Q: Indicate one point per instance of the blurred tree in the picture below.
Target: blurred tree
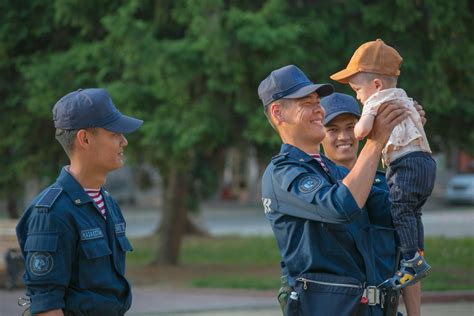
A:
(25, 26)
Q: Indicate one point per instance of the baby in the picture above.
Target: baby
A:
(372, 73)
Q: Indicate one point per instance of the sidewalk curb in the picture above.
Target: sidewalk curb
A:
(447, 296)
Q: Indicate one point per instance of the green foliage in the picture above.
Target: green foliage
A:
(449, 257)
(225, 250)
(233, 250)
(237, 282)
(191, 70)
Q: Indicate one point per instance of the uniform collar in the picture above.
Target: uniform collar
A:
(295, 153)
(73, 188)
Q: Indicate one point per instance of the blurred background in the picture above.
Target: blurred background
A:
(190, 69)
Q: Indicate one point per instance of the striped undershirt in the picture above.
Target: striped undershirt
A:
(98, 199)
(319, 159)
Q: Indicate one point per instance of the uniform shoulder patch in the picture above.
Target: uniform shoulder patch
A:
(48, 199)
(40, 263)
(309, 183)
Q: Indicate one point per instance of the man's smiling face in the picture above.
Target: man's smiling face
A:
(340, 144)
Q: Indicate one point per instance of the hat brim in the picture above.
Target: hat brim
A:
(322, 90)
(330, 117)
(343, 75)
(124, 124)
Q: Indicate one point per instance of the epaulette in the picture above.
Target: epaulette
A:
(48, 198)
(279, 158)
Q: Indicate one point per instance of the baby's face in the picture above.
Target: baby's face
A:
(364, 89)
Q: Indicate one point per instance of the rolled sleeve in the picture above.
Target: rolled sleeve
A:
(337, 203)
(47, 244)
(47, 301)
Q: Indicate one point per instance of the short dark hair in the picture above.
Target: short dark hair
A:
(66, 138)
(283, 102)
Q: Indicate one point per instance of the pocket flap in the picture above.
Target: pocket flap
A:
(125, 243)
(95, 248)
(42, 242)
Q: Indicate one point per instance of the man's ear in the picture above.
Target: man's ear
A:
(276, 112)
(82, 138)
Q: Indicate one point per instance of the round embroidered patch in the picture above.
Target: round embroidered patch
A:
(309, 183)
(40, 263)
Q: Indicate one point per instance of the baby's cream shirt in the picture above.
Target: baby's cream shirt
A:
(406, 137)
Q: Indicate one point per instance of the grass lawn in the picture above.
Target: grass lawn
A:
(253, 263)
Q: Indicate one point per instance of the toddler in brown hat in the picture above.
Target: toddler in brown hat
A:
(372, 73)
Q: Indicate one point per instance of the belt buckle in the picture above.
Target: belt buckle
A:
(373, 295)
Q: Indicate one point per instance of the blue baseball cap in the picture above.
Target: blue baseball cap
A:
(289, 82)
(87, 108)
(337, 104)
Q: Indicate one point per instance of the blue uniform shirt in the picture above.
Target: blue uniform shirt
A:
(74, 259)
(316, 221)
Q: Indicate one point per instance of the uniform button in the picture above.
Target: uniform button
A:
(377, 180)
(78, 201)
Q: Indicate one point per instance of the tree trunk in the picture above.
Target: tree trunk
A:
(12, 207)
(174, 217)
(190, 228)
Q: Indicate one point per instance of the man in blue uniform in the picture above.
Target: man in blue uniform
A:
(341, 146)
(319, 211)
(72, 235)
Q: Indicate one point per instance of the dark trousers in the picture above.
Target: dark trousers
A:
(410, 179)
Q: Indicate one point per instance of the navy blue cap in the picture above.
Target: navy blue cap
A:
(337, 104)
(92, 108)
(289, 82)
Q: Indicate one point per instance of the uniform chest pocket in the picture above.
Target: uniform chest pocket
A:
(96, 257)
(95, 248)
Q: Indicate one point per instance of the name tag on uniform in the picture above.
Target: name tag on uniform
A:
(91, 233)
(120, 228)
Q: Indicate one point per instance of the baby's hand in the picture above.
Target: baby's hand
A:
(420, 110)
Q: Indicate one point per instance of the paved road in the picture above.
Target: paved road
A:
(171, 301)
(231, 218)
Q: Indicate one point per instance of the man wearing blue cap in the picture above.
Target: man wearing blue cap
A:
(341, 146)
(318, 211)
(72, 235)
(341, 114)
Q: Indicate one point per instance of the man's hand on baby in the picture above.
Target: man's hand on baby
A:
(389, 115)
(420, 110)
